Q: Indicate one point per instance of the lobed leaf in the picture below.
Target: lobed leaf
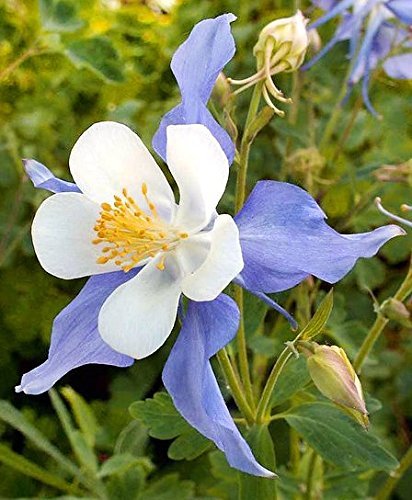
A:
(164, 422)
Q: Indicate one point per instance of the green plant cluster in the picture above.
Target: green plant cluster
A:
(65, 64)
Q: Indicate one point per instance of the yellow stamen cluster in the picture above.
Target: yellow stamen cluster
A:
(131, 233)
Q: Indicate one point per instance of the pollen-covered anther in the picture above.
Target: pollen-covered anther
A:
(132, 233)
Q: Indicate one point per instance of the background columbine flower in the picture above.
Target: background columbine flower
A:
(373, 34)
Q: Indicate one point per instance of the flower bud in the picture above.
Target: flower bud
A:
(221, 91)
(401, 173)
(314, 40)
(334, 376)
(281, 47)
(287, 41)
(305, 162)
(397, 311)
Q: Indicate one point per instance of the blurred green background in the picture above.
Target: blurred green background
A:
(65, 64)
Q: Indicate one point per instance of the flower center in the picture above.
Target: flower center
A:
(133, 234)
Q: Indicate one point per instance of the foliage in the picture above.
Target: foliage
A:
(66, 64)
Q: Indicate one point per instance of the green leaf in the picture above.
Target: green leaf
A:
(83, 414)
(16, 420)
(226, 479)
(261, 120)
(169, 488)
(292, 379)
(346, 486)
(188, 445)
(98, 55)
(265, 346)
(338, 439)
(164, 422)
(117, 464)
(132, 439)
(126, 485)
(370, 273)
(84, 453)
(338, 200)
(160, 415)
(28, 468)
(319, 319)
(259, 488)
(59, 16)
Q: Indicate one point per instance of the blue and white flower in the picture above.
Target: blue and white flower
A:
(120, 224)
(374, 32)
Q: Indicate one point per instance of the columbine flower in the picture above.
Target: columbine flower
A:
(147, 251)
(281, 47)
(381, 36)
(143, 251)
(126, 217)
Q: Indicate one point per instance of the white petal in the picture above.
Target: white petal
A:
(191, 253)
(223, 262)
(200, 168)
(62, 233)
(108, 157)
(138, 316)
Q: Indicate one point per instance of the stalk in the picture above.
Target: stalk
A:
(395, 476)
(235, 385)
(270, 384)
(239, 201)
(381, 321)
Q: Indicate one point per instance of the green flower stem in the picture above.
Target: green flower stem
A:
(310, 475)
(381, 321)
(395, 476)
(348, 129)
(239, 201)
(294, 447)
(242, 349)
(334, 119)
(261, 412)
(235, 386)
(245, 148)
(30, 52)
(337, 110)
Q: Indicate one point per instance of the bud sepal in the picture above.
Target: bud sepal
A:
(335, 377)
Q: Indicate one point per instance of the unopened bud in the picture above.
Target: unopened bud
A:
(334, 376)
(401, 173)
(395, 310)
(286, 40)
(314, 40)
(281, 47)
(305, 161)
(221, 91)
